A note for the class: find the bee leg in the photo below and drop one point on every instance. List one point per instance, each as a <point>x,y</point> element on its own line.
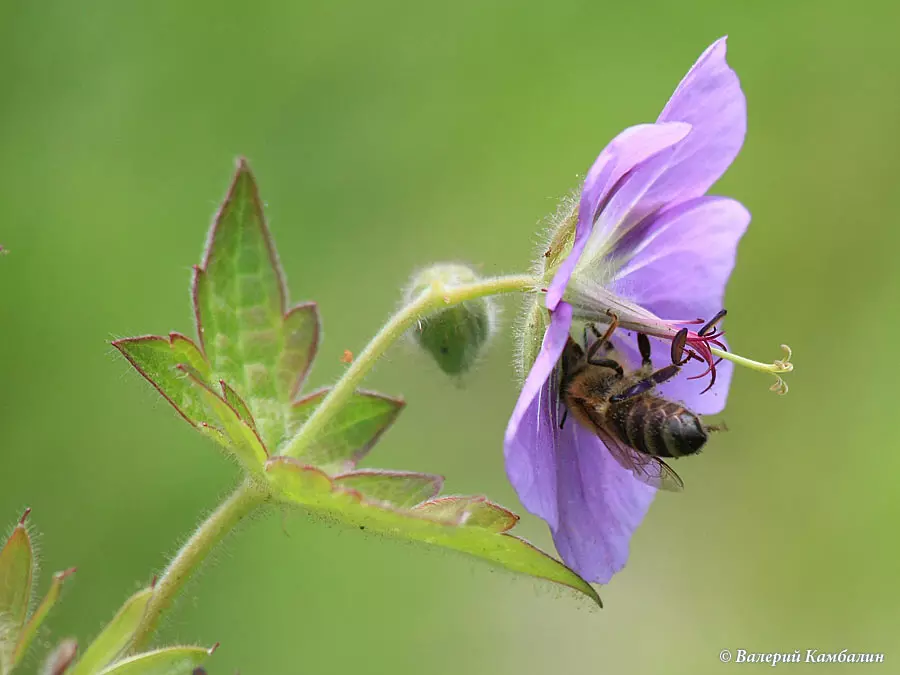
<point>601,341</point>
<point>608,363</point>
<point>660,376</point>
<point>721,426</point>
<point>565,415</point>
<point>644,349</point>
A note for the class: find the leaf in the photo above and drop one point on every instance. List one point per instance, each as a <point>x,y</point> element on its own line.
<point>168,661</point>
<point>470,511</point>
<point>301,340</point>
<point>34,623</point>
<point>157,359</point>
<point>237,404</point>
<point>398,488</point>
<point>242,439</point>
<point>16,576</point>
<point>239,304</point>
<point>116,637</point>
<point>310,488</point>
<point>352,432</point>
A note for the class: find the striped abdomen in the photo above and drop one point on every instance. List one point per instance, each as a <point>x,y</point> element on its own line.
<point>656,426</point>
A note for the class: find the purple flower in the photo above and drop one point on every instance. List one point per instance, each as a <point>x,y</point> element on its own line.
<point>648,245</point>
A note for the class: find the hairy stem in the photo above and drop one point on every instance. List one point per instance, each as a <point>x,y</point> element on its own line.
<point>436,297</point>
<point>250,495</point>
<point>220,522</point>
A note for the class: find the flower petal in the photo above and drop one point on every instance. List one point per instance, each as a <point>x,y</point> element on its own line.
<point>677,265</point>
<point>530,443</point>
<point>627,206</point>
<point>600,505</point>
<point>623,153</point>
<point>710,99</point>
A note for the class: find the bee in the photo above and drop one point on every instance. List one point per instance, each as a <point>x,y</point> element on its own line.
<point>639,427</point>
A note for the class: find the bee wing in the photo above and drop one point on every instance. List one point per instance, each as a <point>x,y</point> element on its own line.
<point>647,469</point>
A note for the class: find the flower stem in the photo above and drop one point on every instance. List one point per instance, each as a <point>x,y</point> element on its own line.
<point>220,522</point>
<point>437,296</point>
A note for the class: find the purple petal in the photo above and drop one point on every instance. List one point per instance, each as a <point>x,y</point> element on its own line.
<point>624,152</point>
<point>531,440</point>
<point>600,505</point>
<point>710,99</point>
<point>629,203</point>
<point>678,269</point>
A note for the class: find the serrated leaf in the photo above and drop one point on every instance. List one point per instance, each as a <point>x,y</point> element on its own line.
<point>168,661</point>
<point>242,440</point>
<point>301,340</point>
<point>157,358</point>
<point>401,489</point>
<point>310,488</point>
<point>240,301</point>
<point>34,623</point>
<point>16,576</point>
<point>470,512</point>
<point>352,432</point>
<point>237,403</point>
<point>116,637</point>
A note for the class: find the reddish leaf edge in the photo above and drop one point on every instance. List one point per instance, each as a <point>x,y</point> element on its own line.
<point>359,455</point>
<point>314,345</point>
<point>279,460</point>
<point>437,481</point>
<point>242,169</point>
<point>192,375</point>
<point>173,336</point>
<point>512,518</point>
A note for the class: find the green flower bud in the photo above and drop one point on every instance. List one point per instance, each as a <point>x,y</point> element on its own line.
<point>455,337</point>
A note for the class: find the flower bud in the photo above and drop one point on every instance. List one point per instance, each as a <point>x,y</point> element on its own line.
<point>455,336</point>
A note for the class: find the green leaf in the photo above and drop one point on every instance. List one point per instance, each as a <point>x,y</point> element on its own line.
<point>237,404</point>
<point>471,512</point>
<point>351,434</point>
<point>398,488</point>
<point>310,488</point>
<point>16,576</point>
<point>240,301</point>
<point>242,438</point>
<point>34,623</point>
<point>116,637</point>
<point>157,359</point>
<point>168,661</point>
<point>301,340</point>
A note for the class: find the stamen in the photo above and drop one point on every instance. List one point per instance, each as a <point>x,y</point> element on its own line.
<point>712,322</point>
<point>678,348</point>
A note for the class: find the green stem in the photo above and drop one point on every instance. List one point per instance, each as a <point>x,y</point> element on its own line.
<point>250,495</point>
<point>437,296</point>
<point>222,521</point>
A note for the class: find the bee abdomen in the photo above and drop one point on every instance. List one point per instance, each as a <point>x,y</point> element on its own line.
<point>658,427</point>
<point>682,431</point>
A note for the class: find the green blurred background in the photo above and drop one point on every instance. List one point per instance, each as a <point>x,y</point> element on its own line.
<point>386,136</point>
